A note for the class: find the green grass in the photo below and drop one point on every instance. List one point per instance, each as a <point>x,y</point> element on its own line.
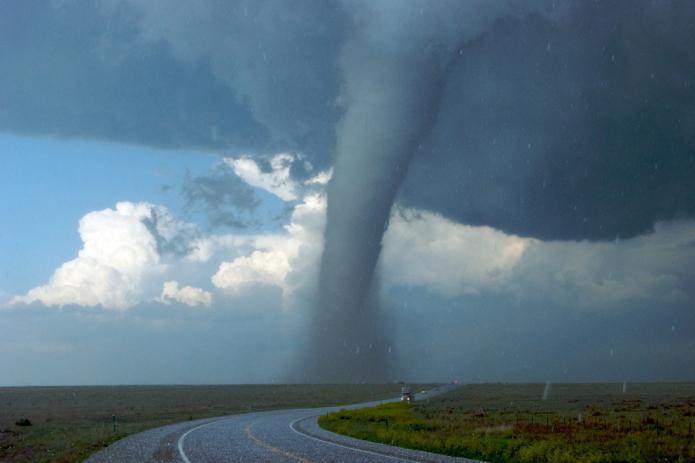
<point>71,423</point>
<point>512,423</point>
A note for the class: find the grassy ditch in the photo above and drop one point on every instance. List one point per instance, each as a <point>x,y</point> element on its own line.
<point>513,423</point>
<point>67,424</point>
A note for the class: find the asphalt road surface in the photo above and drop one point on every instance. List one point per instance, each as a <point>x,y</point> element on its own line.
<point>272,436</point>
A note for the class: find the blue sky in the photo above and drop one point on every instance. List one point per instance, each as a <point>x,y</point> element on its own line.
<point>57,181</point>
<point>47,185</point>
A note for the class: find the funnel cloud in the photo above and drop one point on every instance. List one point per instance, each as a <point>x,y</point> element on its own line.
<point>395,65</point>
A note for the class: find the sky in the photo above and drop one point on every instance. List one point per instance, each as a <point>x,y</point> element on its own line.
<point>247,192</point>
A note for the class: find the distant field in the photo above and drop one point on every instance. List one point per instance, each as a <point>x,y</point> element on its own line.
<point>70,423</point>
<point>513,423</point>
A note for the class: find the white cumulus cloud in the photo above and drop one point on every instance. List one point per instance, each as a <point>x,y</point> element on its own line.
<point>261,267</point>
<point>278,181</point>
<point>121,249</point>
<point>655,267</point>
<point>322,178</point>
<point>286,260</point>
<point>188,295</point>
<point>426,250</point>
<point>138,252</point>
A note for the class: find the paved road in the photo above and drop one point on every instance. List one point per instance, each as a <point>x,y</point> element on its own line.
<point>273,436</point>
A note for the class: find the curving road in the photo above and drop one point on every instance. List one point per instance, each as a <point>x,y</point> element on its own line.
<point>272,436</point>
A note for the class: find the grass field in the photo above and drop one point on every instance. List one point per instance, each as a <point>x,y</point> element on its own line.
<point>537,423</point>
<point>70,423</point>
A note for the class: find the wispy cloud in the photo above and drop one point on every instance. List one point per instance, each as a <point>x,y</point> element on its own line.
<point>225,198</point>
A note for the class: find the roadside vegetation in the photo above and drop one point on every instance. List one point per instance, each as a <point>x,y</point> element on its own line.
<point>514,423</point>
<point>67,424</point>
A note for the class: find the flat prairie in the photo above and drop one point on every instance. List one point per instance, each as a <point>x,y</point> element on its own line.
<point>519,423</point>
<point>67,424</point>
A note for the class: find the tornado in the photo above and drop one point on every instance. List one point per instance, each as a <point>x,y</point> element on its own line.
<point>395,65</point>
<point>376,138</point>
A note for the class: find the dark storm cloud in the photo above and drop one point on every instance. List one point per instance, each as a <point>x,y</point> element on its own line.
<point>558,120</point>
<point>222,196</point>
<point>580,129</point>
<point>580,126</point>
<point>278,58</point>
<point>176,241</point>
<point>69,69</point>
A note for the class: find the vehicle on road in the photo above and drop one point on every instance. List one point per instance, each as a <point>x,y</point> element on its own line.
<point>407,394</point>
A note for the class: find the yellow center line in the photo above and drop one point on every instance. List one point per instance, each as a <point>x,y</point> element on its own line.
<point>273,449</point>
